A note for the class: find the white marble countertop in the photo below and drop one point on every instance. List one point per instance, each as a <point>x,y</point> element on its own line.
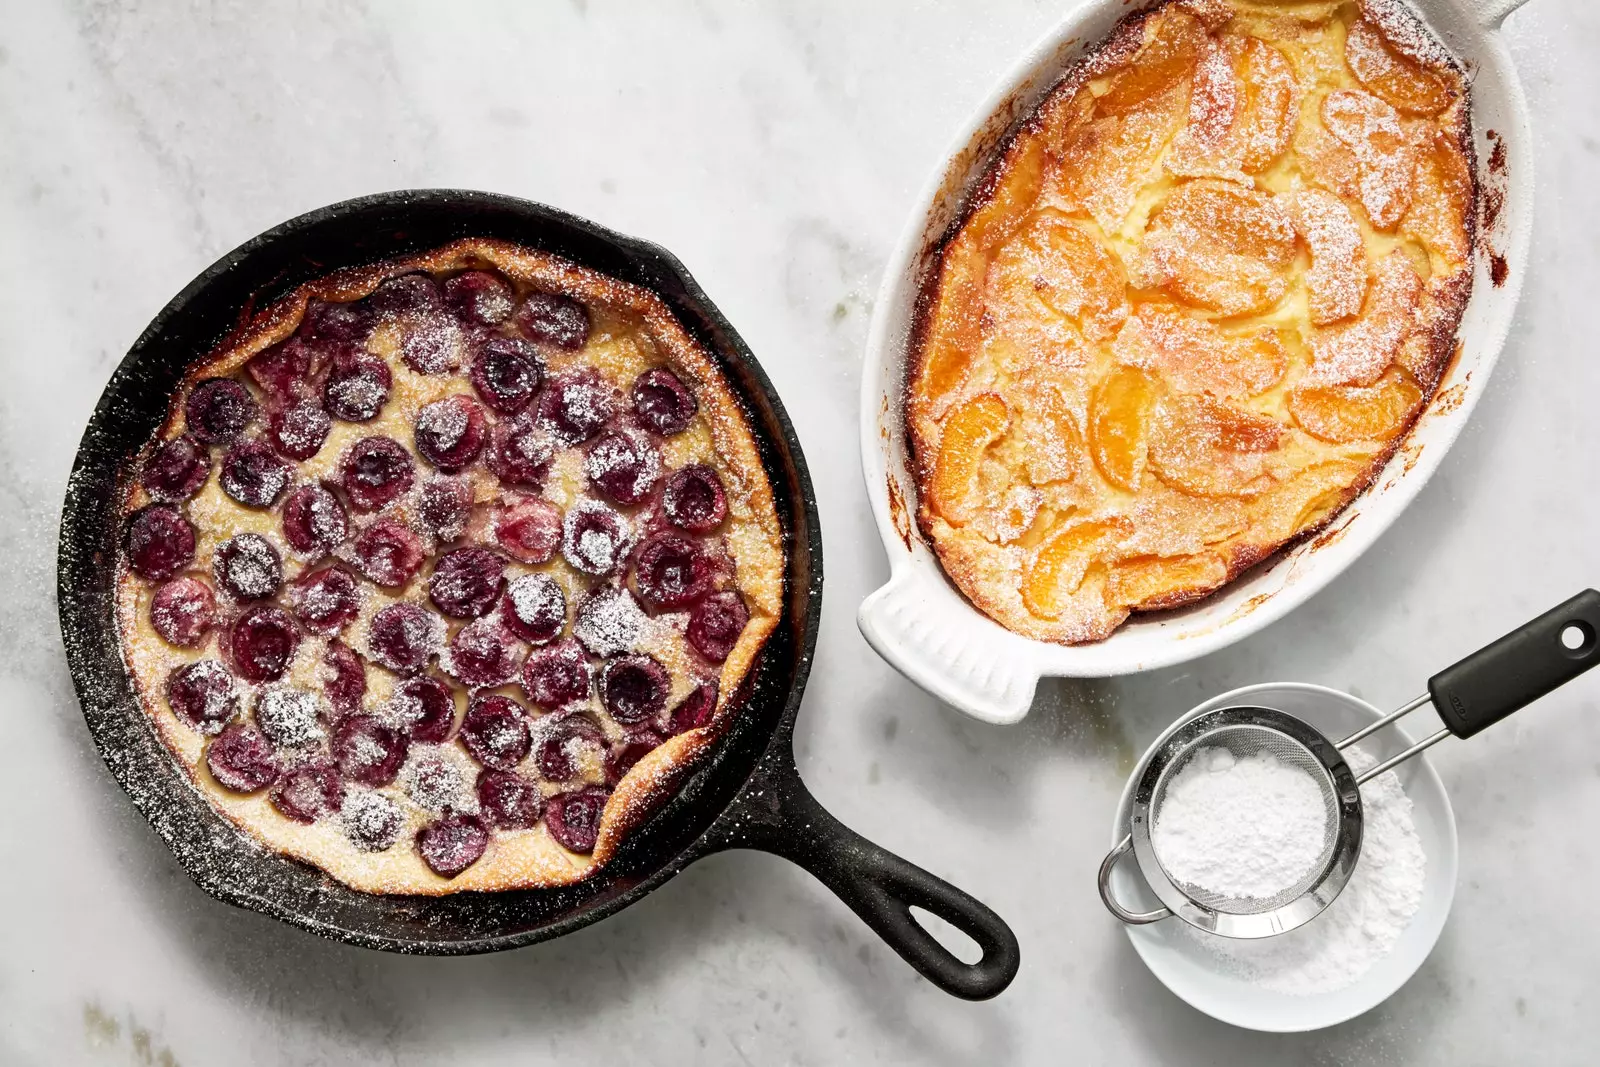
<point>775,149</point>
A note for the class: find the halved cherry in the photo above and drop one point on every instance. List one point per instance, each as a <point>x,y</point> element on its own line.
<point>452,843</point>
<point>451,432</point>
<point>594,538</point>
<point>309,792</point>
<point>507,373</point>
<point>694,499</point>
<point>553,319</point>
<point>623,466</point>
<point>203,694</point>
<point>716,623</point>
<point>634,747</point>
<point>376,470</point>
<point>534,608</point>
<point>357,387</point>
<point>242,760</point>
<point>576,405</point>
<point>495,731</point>
<point>425,708</point>
<point>434,783</point>
<point>556,674</point>
<point>694,710</point>
<point>248,567</point>
<point>466,582</point>
<point>298,430</point>
<point>433,343</point>
<point>574,818</point>
<point>388,553</point>
<point>509,800</point>
<point>261,643</point>
<point>314,522</point>
<point>634,688</point>
<point>325,600</point>
<point>218,410</point>
<point>479,297</point>
<point>662,402</point>
<point>402,636</point>
<point>283,370</point>
<point>481,655</point>
<point>177,469</point>
<point>343,677</point>
<point>160,542</point>
<point>406,294</point>
<point>609,620</point>
<point>670,571</point>
<point>289,716</point>
<point>253,474</point>
<point>528,528</point>
<point>442,507</point>
<point>182,611</point>
<point>337,320</point>
<point>367,751</point>
<point>565,746</point>
<point>519,452</point>
<point>371,820</point>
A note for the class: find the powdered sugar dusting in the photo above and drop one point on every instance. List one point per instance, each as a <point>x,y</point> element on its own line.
<point>1338,275</point>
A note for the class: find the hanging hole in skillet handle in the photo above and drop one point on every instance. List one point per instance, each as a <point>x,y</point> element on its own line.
<point>1520,667</point>
<point>928,634</point>
<point>1109,898</point>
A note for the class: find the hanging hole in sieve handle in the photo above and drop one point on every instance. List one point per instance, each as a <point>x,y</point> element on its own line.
<point>1133,918</point>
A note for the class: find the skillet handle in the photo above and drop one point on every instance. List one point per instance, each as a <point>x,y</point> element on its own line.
<point>777,814</point>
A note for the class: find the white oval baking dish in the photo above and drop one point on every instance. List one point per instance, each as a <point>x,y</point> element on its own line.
<point>928,631</point>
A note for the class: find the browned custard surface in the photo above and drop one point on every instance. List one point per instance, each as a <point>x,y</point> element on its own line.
<point>1192,309</point>
<point>443,573</point>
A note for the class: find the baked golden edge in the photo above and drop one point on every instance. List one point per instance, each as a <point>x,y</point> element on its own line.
<point>655,779</point>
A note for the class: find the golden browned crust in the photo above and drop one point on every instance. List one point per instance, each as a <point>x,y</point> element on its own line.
<point>1126,382</point>
<point>753,536</point>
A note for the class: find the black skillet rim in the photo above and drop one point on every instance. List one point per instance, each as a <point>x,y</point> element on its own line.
<point>214,853</point>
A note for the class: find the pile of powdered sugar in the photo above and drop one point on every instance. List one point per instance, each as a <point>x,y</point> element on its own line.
<point>1364,921</point>
<point>1242,827</point>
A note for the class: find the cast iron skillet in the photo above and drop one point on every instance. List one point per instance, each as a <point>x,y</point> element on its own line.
<point>747,795</point>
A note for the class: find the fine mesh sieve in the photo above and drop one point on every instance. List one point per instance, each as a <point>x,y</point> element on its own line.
<point>1474,693</point>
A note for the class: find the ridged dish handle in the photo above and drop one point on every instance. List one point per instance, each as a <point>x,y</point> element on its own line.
<point>953,655</point>
<point>1491,13</point>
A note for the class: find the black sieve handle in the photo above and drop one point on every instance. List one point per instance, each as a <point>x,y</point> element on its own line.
<point>1519,668</point>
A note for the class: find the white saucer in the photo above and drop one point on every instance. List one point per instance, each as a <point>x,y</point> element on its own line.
<point>1200,978</point>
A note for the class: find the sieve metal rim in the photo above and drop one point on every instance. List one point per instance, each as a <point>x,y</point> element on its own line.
<point>1347,834</point>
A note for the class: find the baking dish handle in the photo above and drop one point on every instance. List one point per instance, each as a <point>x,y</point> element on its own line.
<point>959,658</point>
<point>1491,13</point>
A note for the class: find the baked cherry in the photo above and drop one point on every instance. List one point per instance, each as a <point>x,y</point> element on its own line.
<point>203,694</point>
<point>248,567</point>
<point>337,321</point>
<point>357,386</point>
<point>621,756</point>
<point>451,432</point>
<point>634,688</point>
<point>556,674</point>
<point>177,469</point>
<point>371,820</point>
<point>298,430</point>
<point>261,643</point>
<point>406,294</point>
<point>282,370</point>
<point>160,542</point>
<point>425,708</point>
<point>566,745</point>
<point>388,553</point>
<point>183,611</point>
<point>376,470</point>
<point>594,538</point>
<point>314,522</point>
<point>480,297</point>
<point>506,374</point>
<point>218,410</point>
<point>443,505</point>
<point>519,452</point>
<point>662,402</point>
<point>253,474</point>
<point>309,792</point>
<point>552,319</point>
<point>534,608</point>
<point>694,499</point>
<point>452,843</point>
<point>694,710</point>
<point>622,466</point>
<point>574,818</point>
<point>481,655</point>
<point>528,528</point>
<point>575,405</point>
<point>325,601</point>
<point>509,800</point>
<point>367,751</point>
<point>670,571</point>
<point>466,582</point>
<point>402,636</point>
<point>434,784</point>
<point>242,760</point>
<point>716,623</point>
<point>290,717</point>
<point>432,343</point>
<point>609,621</point>
<point>343,677</point>
<point>495,731</point>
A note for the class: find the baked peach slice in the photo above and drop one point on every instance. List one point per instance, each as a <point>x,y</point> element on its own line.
<point>1119,417</point>
<point>1337,281</point>
<point>1307,499</point>
<point>1053,448</point>
<point>1058,570</point>
<point>1173,42</point>
<point>1205,447</point>
<point>1345,413</point>
<point>1162,581</point>
<point>1241,110</point>
<point>1197,356</point>
<point>1357,353</point>
<point>1444,198</point>
<point>969,430</point>
<point>1068,271</point>
<point>1219,246</point>
<point>1370,130</point>
<point>1401,80</point>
